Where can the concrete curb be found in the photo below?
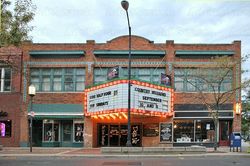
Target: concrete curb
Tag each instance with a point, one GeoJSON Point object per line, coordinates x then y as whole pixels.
{"type": "Point", "coordinates": [153, 150]}
{"type": "Point", "coordinates": [122, 156]}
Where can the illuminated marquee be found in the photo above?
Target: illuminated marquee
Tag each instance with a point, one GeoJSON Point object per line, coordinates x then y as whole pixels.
{"type": "Point", "coordinates": [112, 98]}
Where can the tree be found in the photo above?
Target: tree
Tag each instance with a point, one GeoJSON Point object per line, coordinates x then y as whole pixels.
{"type": "Point", "coordinates": [14, 25]}
{"type": "Point", "coordinates": [214, 85]}
{"type": "Point", "coordinates": [245, 119]}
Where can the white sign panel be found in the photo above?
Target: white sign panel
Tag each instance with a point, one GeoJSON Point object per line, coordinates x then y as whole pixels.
{"type": "Point", "coordinates": [150, 99]}
{"type": "Point", "coordinates": [109, 98]}
{"type": "Point", "coordinates": [116, 97]}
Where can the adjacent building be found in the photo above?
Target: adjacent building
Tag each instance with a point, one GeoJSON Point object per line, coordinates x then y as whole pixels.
{"type": "Point", "coordinates": [82, 93]}
{"type": "Point", "coordinates": [10, 95]}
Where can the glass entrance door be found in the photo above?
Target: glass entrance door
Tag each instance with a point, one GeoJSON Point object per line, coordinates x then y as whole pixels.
{"type": "Point", "coordinates": [123, 135]}
{"type": "Point", "coordinates": [66, 133]}
{"type": "Point", "coordinates": [116, 135]}
{"type": "Point", "coordinates": [225, 130]}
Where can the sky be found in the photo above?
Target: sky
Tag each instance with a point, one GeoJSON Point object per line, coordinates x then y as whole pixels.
{"type": "Point", "coordinates": [184, 21]}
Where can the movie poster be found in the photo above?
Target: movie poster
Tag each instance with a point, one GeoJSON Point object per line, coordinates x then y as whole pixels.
{"type": "Point", "coordinates": [166, 132]}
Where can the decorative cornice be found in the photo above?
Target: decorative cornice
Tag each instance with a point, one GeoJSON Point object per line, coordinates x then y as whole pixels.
{"type": "Point", "coordinates": [58, 63]}
{"type": "Point", "coordinates": [56, 53]}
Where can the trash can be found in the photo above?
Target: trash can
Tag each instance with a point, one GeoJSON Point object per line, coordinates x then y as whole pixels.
{"type": "Point", "coordinates": [235, 141]}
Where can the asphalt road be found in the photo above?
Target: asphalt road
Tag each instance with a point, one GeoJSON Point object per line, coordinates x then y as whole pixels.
{"type": "Point", "coordinates": [167, 161]}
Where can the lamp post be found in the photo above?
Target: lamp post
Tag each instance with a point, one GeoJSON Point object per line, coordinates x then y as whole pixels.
{"type": "Point", "coordinates": [125, 6]}
{"type": "Point", "coordinates": [32, 93]}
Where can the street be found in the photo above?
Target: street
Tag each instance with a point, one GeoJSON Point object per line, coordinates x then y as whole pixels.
{"type": "Point", "coordinates": [125, 161]}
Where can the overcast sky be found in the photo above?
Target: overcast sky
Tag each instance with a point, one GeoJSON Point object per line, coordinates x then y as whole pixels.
{"type": "Point", "coordinates": [184, 21]}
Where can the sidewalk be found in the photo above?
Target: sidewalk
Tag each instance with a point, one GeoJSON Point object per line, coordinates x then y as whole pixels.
{"type": "Point", "coordinates": [96, 152]}
{"type": "Point", "coordinates": [48, 151]}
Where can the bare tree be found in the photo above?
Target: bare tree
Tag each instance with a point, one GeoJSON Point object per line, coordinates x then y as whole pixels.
{"type": "Point", "coordinates": [216, 85]}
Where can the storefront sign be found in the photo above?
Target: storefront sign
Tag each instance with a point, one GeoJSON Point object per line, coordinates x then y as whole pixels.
{"type": "Point", "coordinates": [113, 97]}
{"type": "Point", "coordinates": [151, 130]}
{"type": "Point", "coordinates": [166, 132]}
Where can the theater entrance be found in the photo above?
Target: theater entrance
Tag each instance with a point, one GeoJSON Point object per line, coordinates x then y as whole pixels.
{"type": "Point", "coordinates": [116, 135]}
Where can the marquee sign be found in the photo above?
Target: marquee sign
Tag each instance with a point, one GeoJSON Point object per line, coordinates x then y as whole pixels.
{"type": "Point", "coordinates": [112, 97]}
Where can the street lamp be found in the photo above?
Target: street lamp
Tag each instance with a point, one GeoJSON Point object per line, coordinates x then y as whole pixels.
{"type": "Point", "coordinates": [32, 93]}
{"type": "Point", "coordinates": [125, 6]}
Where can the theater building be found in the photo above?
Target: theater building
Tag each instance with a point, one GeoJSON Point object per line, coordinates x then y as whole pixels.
{"type": "Point", "coordinates": [10, 95]}
{"type": "Point", "coordinates": [82, 93]}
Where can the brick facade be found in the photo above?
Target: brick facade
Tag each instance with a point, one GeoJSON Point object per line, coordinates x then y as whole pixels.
{"type": "Point", "coordinates": [89, 61]}
{"type": "Point", "coordinates": [10, 101]}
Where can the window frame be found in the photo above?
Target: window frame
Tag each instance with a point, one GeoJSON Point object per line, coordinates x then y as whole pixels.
{"type": "Point", "coordinates": [52, 75]}
{"type": "Point", "coordinates": [187, 72]}
{"type": "Point", "coordinates": [152, 73]}
{"type": "Point", "coordinates": [3, 79]}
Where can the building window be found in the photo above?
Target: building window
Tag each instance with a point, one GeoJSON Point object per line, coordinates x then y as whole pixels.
{"type": "Point", "coordinates": [50, 131]}
{"type": "Point", "coordinates": [80, 79]}
{"type": "Point", "coordinates": [100, 75]}
{"type": "Point", "coordinates": [152, 75]}
{"type": "Point", "coordinates": [35, 78]}
{"type": "Point", "coordinates": [5, 79]}
{"type": "Point", "coordinates": [183, 131]}
{"type": "Point", "coordinates": [202, 79]}
{"type": "Point", "coordinates": [68, 80]}
{"type": "Point", "coordinates": [46, 80]}
{"type": "Point", "coordinates": [186, 131]}
{"type": "Point", "coordinates": [5, 128]}
{"type": "Point", "coordinates": [78, 131]}
{"type": "Point", "coordinates": [58, 79]}
{"type": "Point", "coordinates": [204, 131]}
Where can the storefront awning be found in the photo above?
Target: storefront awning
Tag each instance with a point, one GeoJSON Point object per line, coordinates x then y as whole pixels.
{"type": "Point", "coordinates": [135, 53]}
{"type": "Point", "coordinates": [57, 53]}
{"type": "Point", "coordinates": [57, 111]}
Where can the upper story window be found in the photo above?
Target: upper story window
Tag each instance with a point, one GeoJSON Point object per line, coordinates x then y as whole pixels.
{"type": "Point", "coordinates": [145, 74]}
{"type": "Point", "coordinates": [202, 79]}
{"type": "Point", "coordinates": [58, 79]}
{"type": "Point", "coordinates": [5, 79]}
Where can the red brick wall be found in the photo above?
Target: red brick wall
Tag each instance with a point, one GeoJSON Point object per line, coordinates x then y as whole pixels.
{"type": "Point", "coordinates": [10, 101]}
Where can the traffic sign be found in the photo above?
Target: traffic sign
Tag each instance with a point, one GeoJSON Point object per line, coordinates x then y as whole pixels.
{"type": "Point", "coordinates": [32, 113]}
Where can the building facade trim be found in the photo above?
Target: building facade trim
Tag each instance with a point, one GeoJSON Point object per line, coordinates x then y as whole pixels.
{"type": "Point", "coordinates": [201, 52]}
